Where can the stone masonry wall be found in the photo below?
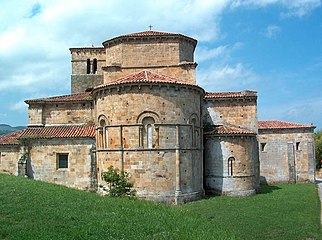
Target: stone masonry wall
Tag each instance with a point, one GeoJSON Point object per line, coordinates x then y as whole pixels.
{"type": "Point", "coordinates": [218, 178]}
{"type": "Point", "coordinates": [237, 112]}
{"type": "Point", "coordinates": [81, 171]}
{"type": "Point", "coordinates": [9, 156]}
{"type": "Point", "coordinates": [288, 155]}
{"type": "Point", "coordinates": [61, 113]}
{"type": "Point", "coordinates": [168, 58]}
{"type": "Point", "coordinates": [79, 59]}
{"type": "Point", "coordinates": [80, 80]}
{"type": "Point", "coordinates": [173, 166]}
{"type": "Point", "coordinates": [184, 72]}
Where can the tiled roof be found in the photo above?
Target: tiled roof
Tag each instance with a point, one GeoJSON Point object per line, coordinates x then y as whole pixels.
{"type": "Point", "coordinates": [86, 96]}
{"type": "Point", "coordinates": [147, 34]}
{"type": "Point", "coordinates": [229, 130]}
{"type": "Point", "coordinates": [59, 132]}
{"type": "Point", "coordinates": [90, 48]}
{"type": "Point", "coordinates": [147, 77]}
{"type": "Point", "coordinates": [246, 93]}
{"type": "Point", "coordinates": [275, 124]}
{"type": "Point", "coordinates": [48, 133]}
{"type": "Point", "coordinates": [10, 138]}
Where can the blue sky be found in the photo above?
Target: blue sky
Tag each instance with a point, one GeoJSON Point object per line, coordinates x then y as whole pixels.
{"type": "Point", "coordinates": [271, 46]}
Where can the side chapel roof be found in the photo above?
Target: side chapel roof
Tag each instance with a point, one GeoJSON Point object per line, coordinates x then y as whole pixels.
{"type": "Point", "coordinates": [229, 130]}
{"type": "Point", "coordinates": [227, 95]}
{"type": "Point", "coordinates": [275, 124]}
{"type": "Point", "coordinates": [79, 97]}
{"type": "Point", "coordinates": [50, 132]}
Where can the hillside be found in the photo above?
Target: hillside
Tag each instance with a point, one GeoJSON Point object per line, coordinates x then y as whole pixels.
{"type": "Point", "coordinates": [5, 128]}
{"type": "Point", "coordinates": [37, 210]}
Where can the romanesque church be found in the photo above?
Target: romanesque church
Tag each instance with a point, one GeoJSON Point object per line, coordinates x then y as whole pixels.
{"type": "Point", "coordinates": [135, 104]}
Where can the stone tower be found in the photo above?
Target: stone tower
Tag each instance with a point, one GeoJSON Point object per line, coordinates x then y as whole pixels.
{"type": "Point", "coordinates": [148, 115]}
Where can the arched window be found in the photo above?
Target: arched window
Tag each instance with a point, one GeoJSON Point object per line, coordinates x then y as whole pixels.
{"type": "Point", "coordinates": [194, 135]}
{"type": "Point", "coordinates": [94, 66]}
{"type": "Point", "coordinates": [147, 135]}
{"type": "Point", "coordinates": [231, 161]}
{"type": "Point", "coordinates": [103, 134]}
{"type": "Point", "coordinates": [88, 66]}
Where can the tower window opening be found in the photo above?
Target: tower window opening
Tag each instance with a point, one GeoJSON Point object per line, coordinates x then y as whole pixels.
{"type": "Point", "coordinates": [297, 146]}
{"type": "Point", "coordinates": [231, 161]}
{"type": "Point", "coordinates": [88, 66]}
{"type": "Point", "coordinates": [94, 66]}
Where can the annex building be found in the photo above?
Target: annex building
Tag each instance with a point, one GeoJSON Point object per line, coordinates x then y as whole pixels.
{"type": "Point", "coordinates": [135, 104]}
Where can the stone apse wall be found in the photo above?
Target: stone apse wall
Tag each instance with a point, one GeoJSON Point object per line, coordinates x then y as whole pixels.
{"type": "Point", "coordinates": [238, 177]}
{"type": "Point", "coordinates": [286, 155]}
{"type": "Point", "coordinates": [153, 133]}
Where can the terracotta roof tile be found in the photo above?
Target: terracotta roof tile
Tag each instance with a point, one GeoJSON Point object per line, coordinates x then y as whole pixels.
{"type": "Point", "coordinates": [48, 133]}
{"type": "Point", "coordinates": [246, 93]}
{"type": "Point", "coordinates": [275, 124]}
{"type": "Point", "coordinates": [147, 77]}
{"type": "Point", "coordinates": [11, 138]}
{"type": "Point", "coordinates": [59, 132]}
{"type": "Point", "coordinates": [229, 130]}
{"type": "Point", "coordinates": [65, 98]}
{"type": "Point", "coordinates": [147, 34]}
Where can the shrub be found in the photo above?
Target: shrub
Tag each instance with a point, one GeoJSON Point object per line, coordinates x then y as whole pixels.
{"type": "Point", "coordinates": [118, 183]}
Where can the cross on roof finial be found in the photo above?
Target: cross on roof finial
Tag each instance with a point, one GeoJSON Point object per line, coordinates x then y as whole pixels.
{"type": "Point", "coordinates": [150, 27]}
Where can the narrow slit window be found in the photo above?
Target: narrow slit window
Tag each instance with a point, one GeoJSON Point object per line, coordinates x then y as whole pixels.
{"type": "Point", "coordinates": [88, 66]}
{"type": "Point", "coordinates": [297, 146]}
{"type": "Point", "coordinates": [102, 134]}
{"type": "Point", "coordinates": [231, 161]}
{"type": "Point", "coordinates": [263, 147]}
{"type": "Point", "coordinates": [106, 137]}
{"type": "Point", "coordinates": [149, 135]}
{"type": "Point", "coordinates": [94, 66]}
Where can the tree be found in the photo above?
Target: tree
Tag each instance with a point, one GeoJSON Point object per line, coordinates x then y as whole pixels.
{"type": "Point", "coordinates": [318, 148]}
{"type": "Point", "coordinates": [118, 183]}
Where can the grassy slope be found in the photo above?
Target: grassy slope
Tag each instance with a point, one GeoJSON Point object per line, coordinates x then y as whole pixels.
{"type": "Point", "coordinates": [279, 212]}
{"type": "Point", "coordinates": [35, 210]}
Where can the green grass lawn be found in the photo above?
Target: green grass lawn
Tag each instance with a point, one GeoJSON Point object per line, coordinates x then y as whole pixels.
{"type": "Point", "coordinates": [36, 210]}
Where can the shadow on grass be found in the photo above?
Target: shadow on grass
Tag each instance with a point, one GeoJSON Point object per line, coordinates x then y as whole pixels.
{"type": "Point", "coordinates": [265, 188]}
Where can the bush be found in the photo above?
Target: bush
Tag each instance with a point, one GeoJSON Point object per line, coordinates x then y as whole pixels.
{"type": "Point", "coordinates": [118, 183]}
{"type": "Point", "coordinates": [318, 148]}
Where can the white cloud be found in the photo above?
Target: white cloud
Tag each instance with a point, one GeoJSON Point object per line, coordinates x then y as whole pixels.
{"type": "Point", "coordinates": [272, 31]}
{"type": "Point", "coordinates": [20, 106]}
{"type": "Point", "coordinates": [34, 39]}
{"type": "Point", "coordinates": [227, 78]}
{"type": "Point", "coordinates": [223, 52]}
{"type": "Point", "coordinates": [303, 111]}
{"type": "Point", "coordinates": [294, 8]}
